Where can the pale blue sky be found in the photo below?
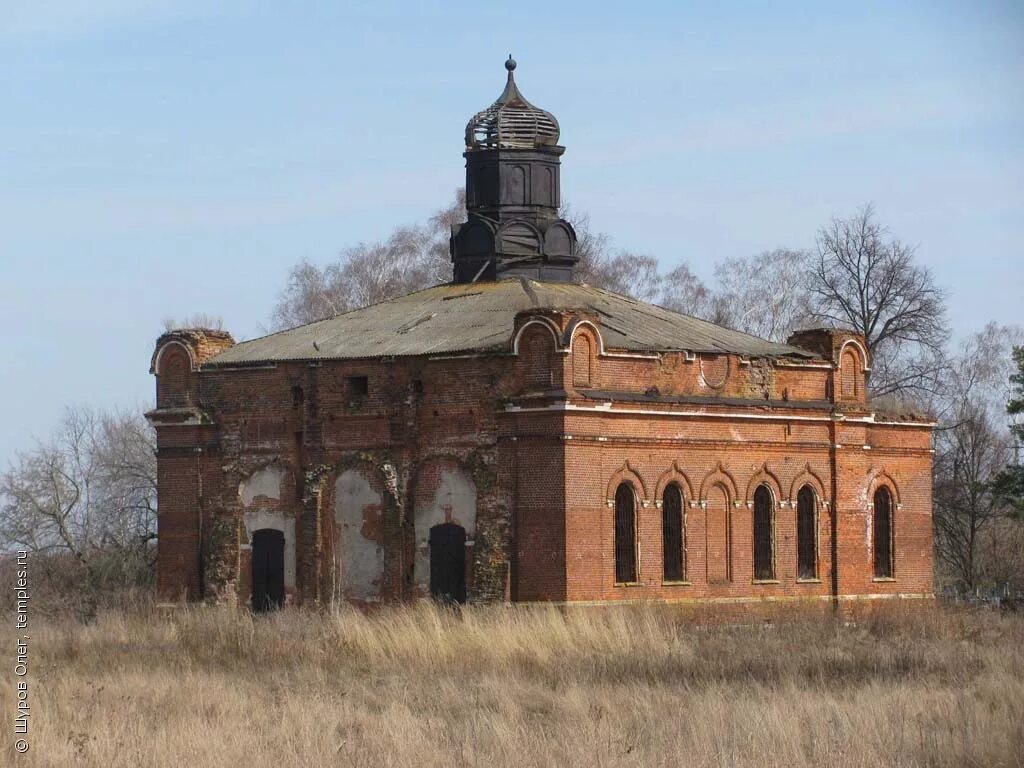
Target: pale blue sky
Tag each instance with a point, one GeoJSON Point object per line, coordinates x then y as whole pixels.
{"type": "Point", "coordinates": [178, 156]}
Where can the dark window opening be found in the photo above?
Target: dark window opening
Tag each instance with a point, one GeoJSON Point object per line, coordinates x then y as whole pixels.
{"type": "Point", "coordinates": [297, 396]}
{"type": "Point", "coordinates": [806, 534]}
{"type": "Point", "coordinates": [883, 534]}
{"type": "Point", "coordinates": [764, 567]}
{"type": "Point", "coordinates": [672, 534]}
{"type": "Point", "coordinates": [625, 534]}
{"type": "Point", "coordinates": [357, 386]}
{"type": "Point", "coordinates": [417, 387]}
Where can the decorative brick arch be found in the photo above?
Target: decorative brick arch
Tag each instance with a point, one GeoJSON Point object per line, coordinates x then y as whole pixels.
{"type": "Point", "coordinates": [851, 368]}
{"type": "Point", "coordinates": [861, 353]}
{"type": "Point", "coordinates": [673, 475]}
{"type": "Point", "coordinates": [807, 476]}
{"type": "Point", "coordinates": [535, 345]}
{"type": "Point", "coordinates": [626, 473]}
{"type": "Point", "coordinates": [583, 353]}
{"type": "Point", "coordinates": [876, 479]}
{"type": "Point", "coordinates": [171, 345]}
{"type": "Point", "coordinates": [576, 325]}
{"type": "Point", "coordinates": [719, 476]}
{"type": "Point", "coordinates": [543, 322]}
{"type": "Point", "coordinates": [763, 476]}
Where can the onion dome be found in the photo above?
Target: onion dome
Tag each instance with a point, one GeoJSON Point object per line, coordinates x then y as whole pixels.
{"type": "Point", "coordinates": [511, 122]}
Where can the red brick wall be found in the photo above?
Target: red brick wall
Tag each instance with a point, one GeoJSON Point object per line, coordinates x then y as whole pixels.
{"type": "Point", "coordinates": [544, 454]}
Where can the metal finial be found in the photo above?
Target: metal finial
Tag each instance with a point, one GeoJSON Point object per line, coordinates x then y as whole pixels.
{"type": "Point", "coordinates": [510, 64]}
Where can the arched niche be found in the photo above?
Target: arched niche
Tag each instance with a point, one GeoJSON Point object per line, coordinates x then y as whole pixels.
{"type": "Point", "coordinates": [359, 530]}
{"type": "Point", "coordinates": [582, 360]}
{"type": "Point", "coordinates": [443, 493]}
{"type": "Point", "coordinates": [475, 239]}
{"type": "Point", "coordinates": [535, 344]}
{"type": "Point", "coordinates": [518, 238]}
{"type": "Point", "coordinates": [173, 368]}
{"type": "Point", "coordinates": [559, 240]}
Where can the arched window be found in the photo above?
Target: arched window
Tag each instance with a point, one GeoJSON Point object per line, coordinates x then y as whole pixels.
{"type": "Point", "coordinates": [672, 534]}
{"type": "Point", "coordinates": [883, 533]}
{"type": "Point", "coordinates": [764, 566]}
{"type": "Point", "coordinates": [806, 534]}
{"type": "Point", "coordinates": [625, 534]}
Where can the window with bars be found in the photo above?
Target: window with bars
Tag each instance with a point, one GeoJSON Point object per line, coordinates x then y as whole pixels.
{"type": "Point", "coordinates": [883, 533]}
{"type": "Point", "coordinates": [806, 534]}
{"type": "Point", "coordinates": [764, 566]}
{"type": "Point", "coordinates": [672, 534]}
{"type": "Point", "coordinates": [625, 534]}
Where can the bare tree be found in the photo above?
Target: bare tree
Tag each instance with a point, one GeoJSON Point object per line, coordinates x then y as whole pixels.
{"type": "Point", "coordinates": [971, 454]}
{"type": "Point", "coordinates": [197, 320]}
{"type": "Point", "coordinates": [862, 278]}
{"type": "Point", "coordinates": [88, 494]}
{"type": "Point", "coordinates": [764, 295]}
{"type": "Point", "coordinates": [633, 274]}
{"type": "Point", "coordinates": [682, 291]}
{"type": "Point", "coordinates": [972, 447]}
{"type": "Point", "coordinates": [411, 258]}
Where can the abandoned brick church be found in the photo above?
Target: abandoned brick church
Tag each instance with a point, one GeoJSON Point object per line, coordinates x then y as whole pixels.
{"type": "Point", "coordinates": [514, 435]}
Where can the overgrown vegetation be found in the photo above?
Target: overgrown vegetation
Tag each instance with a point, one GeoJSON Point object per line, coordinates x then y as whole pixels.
{"type": "Point", "coordinates": [626, 686]}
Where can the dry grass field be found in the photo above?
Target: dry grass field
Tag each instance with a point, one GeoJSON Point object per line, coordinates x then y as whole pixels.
{"type": "Point", "coordinates": [418, 686]}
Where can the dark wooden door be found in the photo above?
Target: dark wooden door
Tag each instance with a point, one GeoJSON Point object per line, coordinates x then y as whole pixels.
{"type": "Point", "coordinates": [448, 563]}
{"type": "Point", "coordinates": [267, 570]}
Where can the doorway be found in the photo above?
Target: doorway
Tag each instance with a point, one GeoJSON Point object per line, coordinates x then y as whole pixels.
{"type": "Point", "coordinates": [267, 570]}
{"type": "Point", "coordinates": [448, 563]}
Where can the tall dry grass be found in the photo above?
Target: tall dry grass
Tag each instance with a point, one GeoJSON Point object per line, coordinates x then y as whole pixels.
{"type": "Point", "coordinates": [419, 686]}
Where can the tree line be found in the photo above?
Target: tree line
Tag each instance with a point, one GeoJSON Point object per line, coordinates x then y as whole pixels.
{"type": "Point", "coordinates": [86, 496]}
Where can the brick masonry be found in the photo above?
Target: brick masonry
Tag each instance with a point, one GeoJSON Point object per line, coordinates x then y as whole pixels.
{"type": "Point", "coordinates": [525, 450]}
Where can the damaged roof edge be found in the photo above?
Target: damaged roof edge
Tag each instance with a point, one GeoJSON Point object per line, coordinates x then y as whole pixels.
{"type": "Point", "coordinates": [498, 351]}
{"type": "Point", "coordinates": [483, 320]}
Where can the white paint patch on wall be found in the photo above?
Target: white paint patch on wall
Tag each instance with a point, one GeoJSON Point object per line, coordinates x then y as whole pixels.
{"type": "Point", "coordinates": [359, 560]}
{"type": "Point", "coordinates": [454, 501]}
{"type": "Point", "coordinates": [259, 519]}
{"type": "Point", "coordinates": [263, 482]}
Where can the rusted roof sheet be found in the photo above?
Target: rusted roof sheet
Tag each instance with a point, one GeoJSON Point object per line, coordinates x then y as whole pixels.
{"type": "Point", "coordinates": [479, 317]}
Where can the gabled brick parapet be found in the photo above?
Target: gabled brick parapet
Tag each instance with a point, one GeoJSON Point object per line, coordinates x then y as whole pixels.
{"type": "Point", "coordinates": [200, 344]}
{"type": "Point", "coordinates": [178, 355]}
{"type": "Point", "coordinates": [847, 351]}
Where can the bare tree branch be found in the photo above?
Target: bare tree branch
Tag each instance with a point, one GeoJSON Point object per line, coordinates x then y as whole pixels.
{"type": "Point", "coordinates": [862, 279]}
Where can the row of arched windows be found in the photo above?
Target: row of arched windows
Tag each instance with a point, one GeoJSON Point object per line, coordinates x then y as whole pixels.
{"type": "Point", "coordinates": [673, 531]}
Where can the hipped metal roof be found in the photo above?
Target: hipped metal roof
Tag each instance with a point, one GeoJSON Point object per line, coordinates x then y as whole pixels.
{"type": "Point", "coordinates": [479, 318]}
